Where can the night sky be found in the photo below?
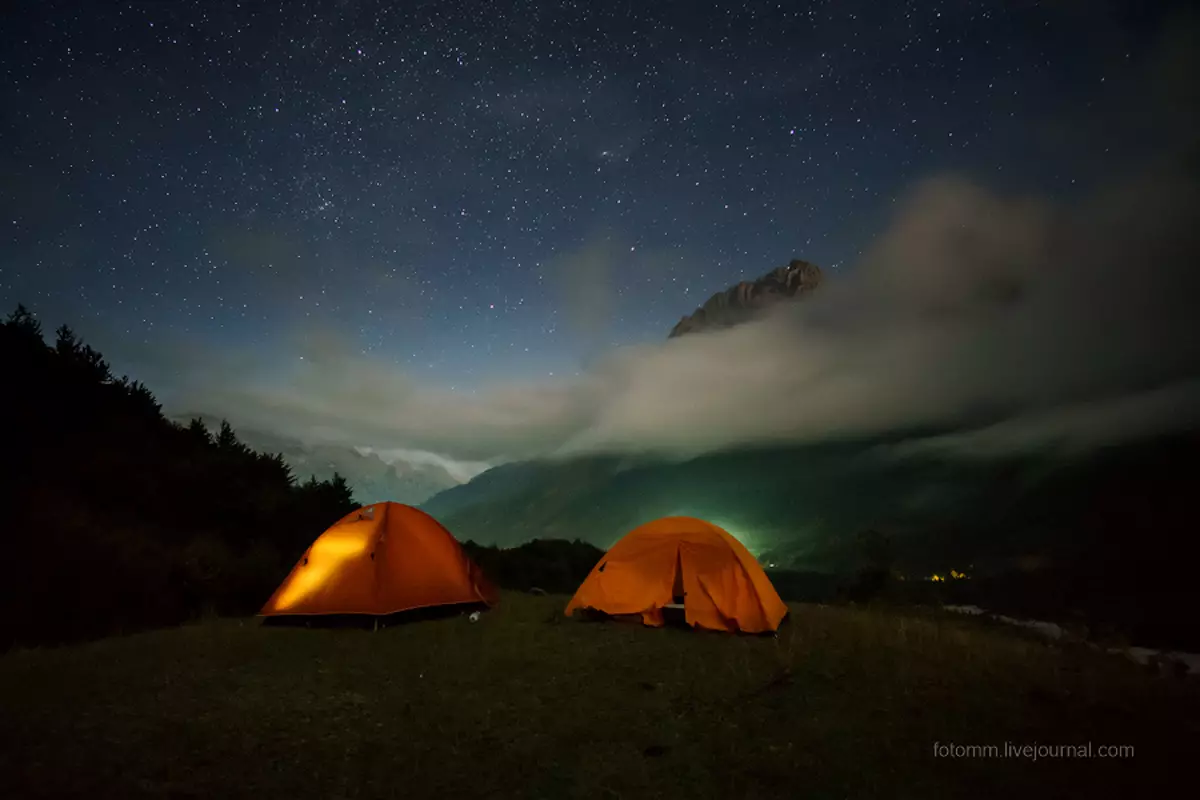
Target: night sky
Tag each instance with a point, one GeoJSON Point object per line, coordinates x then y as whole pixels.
{"type": "Point", "coordinates": [479, 191]}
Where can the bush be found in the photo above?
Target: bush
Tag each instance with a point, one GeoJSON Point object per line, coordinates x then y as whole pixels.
{"type": "Point", "coordinates": [556, 566]}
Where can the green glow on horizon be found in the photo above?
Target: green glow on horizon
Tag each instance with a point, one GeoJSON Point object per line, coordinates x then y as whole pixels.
{"type": "Point", "coordinates": [747, 537]}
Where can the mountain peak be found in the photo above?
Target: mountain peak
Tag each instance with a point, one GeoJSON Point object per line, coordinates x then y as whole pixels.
{"type": "Point", "coordinates": [745, 300]}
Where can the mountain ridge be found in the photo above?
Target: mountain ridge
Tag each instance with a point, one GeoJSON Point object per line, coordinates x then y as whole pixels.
{"type": "Point", "coordinates": [746, 299]}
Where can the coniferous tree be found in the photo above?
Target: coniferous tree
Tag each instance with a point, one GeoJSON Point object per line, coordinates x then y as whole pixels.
{"type": "Point", "coordinates": [199, 431]}
{"type": "Point", "coordinates": [25, 324]}
{"type": "Point", "coordinates": [65, 344]}
{"type": "Point", "coordinates": [227, 441]}
{"type": "Point", "coordinates": [340, 493]}
{"type": "Point", "coordinates": [279, 467]}
{"type": "Point", "coordinates": [142, 400]}
{"type": "Point", "coordinates": [163, 520]}
{"type": "Point", "coordinates": [91, 365]}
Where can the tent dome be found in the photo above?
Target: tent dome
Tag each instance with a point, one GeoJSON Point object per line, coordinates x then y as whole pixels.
{"type": "Point", "coordinates": [721, 585]}
{"type": "Point", "coordinates": [381, 559]}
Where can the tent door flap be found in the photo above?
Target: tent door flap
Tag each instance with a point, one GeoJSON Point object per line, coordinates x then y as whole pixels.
{"type": "Point", "coordinates": [677, 591]}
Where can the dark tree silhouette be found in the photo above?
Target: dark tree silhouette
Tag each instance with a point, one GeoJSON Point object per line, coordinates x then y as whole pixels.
{"type": "Point", "coordinates": [227, 440]}
{"type": "Point", "coordinates": [874, 569]}
{"type": "Point", "coordinates": [197, 429]}
{"type": "Point", "coordinates": [79, 356]}
{"type": "Point", "coordinates": [557, 566]}
{"type": "Point", "coordinates": [24, 326]}
{"type": "Point", "coordinates": [118, 519]}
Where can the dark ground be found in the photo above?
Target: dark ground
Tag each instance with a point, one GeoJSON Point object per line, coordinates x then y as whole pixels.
{"type": "Point", "coordinates": [525, 703]}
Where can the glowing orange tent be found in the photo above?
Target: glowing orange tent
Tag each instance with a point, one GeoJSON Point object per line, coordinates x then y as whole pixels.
{"type": "Point", "coordinates": [684, 561]}
{"type": "Point", "coordinates": [381, 559]}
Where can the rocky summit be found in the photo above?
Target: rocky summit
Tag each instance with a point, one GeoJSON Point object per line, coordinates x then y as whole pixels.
{"type": "Point", "coordinates": [748, 298]}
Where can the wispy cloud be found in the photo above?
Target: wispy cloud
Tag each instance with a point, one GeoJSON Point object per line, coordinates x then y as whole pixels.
{"type": "Point", "coordinates": [972, 307]}
{"type": "Point", "coordinates": [1009, 321]}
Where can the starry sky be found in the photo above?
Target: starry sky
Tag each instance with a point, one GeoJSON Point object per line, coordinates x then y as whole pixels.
{"type": "Point", "coordinates": [503, 191]}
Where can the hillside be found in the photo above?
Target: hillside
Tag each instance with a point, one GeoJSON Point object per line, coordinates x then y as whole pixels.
{"type": "Point", "coordinates": [526, 703]}
{"type": "Point", "coordinates": [796, 504]}
{"type": "Point", "coordinates": [1104, 534]}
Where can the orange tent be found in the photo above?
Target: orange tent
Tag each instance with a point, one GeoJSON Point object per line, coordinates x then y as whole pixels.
{"type": "Point", "coordinates": [381, 559]}
{"type": "Point", "coordinates": [682, 560]}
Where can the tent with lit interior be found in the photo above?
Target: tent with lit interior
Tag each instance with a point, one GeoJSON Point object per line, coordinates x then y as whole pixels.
{"type": "Point", "coordinates": [685, 562]}
{"type": "Point", "coordinates": [381, 559]}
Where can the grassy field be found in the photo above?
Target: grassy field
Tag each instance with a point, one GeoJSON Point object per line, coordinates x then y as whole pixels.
{"type": "Point", "coordinates": [525, 703]}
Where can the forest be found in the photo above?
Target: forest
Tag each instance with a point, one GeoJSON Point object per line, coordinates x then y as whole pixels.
{"type": "Point", "coordinates": [116, 519]}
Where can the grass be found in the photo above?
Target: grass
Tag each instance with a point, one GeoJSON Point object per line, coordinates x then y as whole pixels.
{"type": "Point", "coordinates": [525, 703]}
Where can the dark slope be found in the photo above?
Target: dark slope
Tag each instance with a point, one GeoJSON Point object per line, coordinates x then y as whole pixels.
{"type": "Point", "coordinates": [1112, 534]}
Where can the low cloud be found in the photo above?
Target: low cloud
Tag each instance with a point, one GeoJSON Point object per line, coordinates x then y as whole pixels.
{"type": "Point", "coordinates": [325, 391]}
{"type": "Point", "coordinates": [1007, 322]}
{"type": "Point", "coordinates": [461, 471]}
{"type": "Point", "coordinates": [973, 310]}
{"type": "Point", "coordinates": [1072, 429]}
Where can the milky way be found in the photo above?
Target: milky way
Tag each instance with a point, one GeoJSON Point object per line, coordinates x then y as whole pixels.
{"type": "Point", "coordinates": [476, 190]}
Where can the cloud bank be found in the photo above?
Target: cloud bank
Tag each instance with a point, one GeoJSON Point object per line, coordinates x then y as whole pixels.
{"type": "Point", "coordinates": [972, 309]}
{"type": "Point", "coordinates": [1010, 322]}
